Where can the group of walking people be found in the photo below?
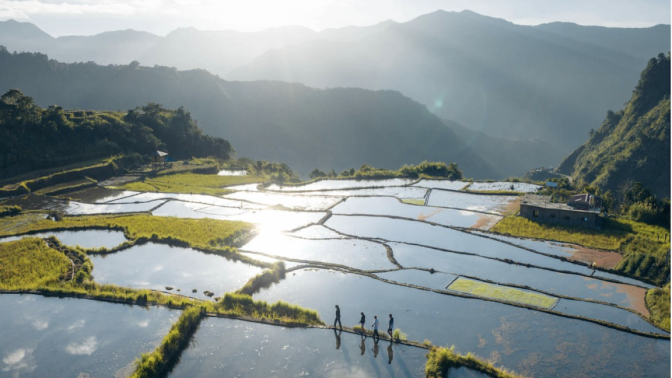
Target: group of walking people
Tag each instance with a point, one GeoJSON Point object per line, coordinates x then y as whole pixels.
{"type": "Point", "coordinates": [362, 323]}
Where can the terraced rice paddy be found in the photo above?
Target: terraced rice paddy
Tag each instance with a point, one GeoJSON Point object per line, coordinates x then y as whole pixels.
{"type": "Point", "coordinates": [51, 337]}
{"type": "Point", "coordinates": [157, 266]}
{"type": "Point", "coordinates": [84, 238]}
{"type": "Point", "coordinates": [520, 187]}
{"type": "Point", "coordinates": [532, 306]}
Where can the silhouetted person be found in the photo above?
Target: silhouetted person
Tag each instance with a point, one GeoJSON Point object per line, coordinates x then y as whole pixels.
{"type": "Point", "coordinates": [375, 348]}
{"type": "Point", "coordinates": [338, 318]}
{"type": "Point", "coordinates": [375, 324]}
{"type": "Point", "coordinates": [390, 327]}
{"type": "Point", "coordinates": [389, 354]}
{"type": "Point", "coordinates": [362, 346]}
{"type": "Point", "coordinates": [338, 339]}
{"type": "Point", "coordinates": [362, 322]}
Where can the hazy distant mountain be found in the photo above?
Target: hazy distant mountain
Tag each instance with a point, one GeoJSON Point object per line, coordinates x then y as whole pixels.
{"type": "Point", "coordinates": [24, 36]}
{"type": "Point", "coordinates": [550, 81]}
{"type": "Point", "coordinates": [186, 48]}
{"type": "Point", "coordinates": [117, 47]}
{"type": "Point", "coordinates": [632, 144]}
{"type": "Point", "coordinates": [304, 127]}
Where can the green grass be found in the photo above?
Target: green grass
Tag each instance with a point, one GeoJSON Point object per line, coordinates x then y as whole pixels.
{"type": "Point", "coordinates": [439, 360]}
{"type": "Point", "coordinates": [205, 233]}
{"type": "Point", "coordinates": [244, 305]}
{"type": "Point", "coordinates": [487, 290]}
{"type": "Point", "coordinates": [658, 302]}
{"type": "Point", "coordinates": [420, 202]}
{"type": "Point", "coordinates": [192, 183]}
{"type": "Point", "coordinates": [642, 245]}
{"type": "Point", "coordinates": [154, 363]}
{"type": "Point", "coordinates": [10, 210]}
{"type": "Point", "coordinates": [30, 263]}
{"type": "Point", "coordinates": [264, 279]}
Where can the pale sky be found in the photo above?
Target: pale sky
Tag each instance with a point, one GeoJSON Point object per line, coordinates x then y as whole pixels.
{"type": "Point", "coordinates": [86, 17]}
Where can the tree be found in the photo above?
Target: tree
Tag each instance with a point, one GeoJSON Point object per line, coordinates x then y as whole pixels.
{"type": "Point", "coordinates": [316, 173]}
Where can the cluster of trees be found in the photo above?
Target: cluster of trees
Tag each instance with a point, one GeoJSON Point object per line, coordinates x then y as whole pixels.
{"type": "Point", "coordinates": [637, 203]}
{"type": "Point", "coordinates": [35, 138]}
{"type": "Point", "coordinates": [429, 169]}
{"type": "Point", "coordinates": [631, 200]}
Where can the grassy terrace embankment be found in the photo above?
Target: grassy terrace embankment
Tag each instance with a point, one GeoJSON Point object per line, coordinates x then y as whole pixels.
{"type": "Point", "coordinates": [644, 247]}
{"type": "Point", "coordinates": [197, 233]}
{"type": "Point", "coordinates": [192, 183]}
{"type": "Point", "coordinates": [439, 360]}
{"type": "Point", "coordinates": [32, 265]}
{"type": "Point", "coordinates": [658, 302]}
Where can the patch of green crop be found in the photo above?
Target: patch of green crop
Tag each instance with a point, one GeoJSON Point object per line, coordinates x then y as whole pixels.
{"type": "Point", "coordinates": [29, 263]}
{"type": "Point", "coordinates": [440, 360]}
{"type": "Point", "coordinates": [420, 202]}
{"type": "Point", "coordinates": [487, 290]}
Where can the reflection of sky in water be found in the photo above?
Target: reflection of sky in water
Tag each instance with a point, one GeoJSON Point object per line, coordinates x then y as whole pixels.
{"type": "Point", "coordinates": [268, 220]}
{"type": "Point", "coordinates": [79, 208]}
{"type": "Point", "coordinates": [83, 238]}
{"type": "Point", "coordinates": [358, 254]}
{"type": "Point", "coordinates": [287, 200]}
{"type": "Point", "coordinates": [257, 350]}
{"type": "Point", "coordinates": [570, 285]}
{"type": "Point", "coordinates": [402, 192]}
{"type": "Point", "coordinates": [156, 266]}
{"type": "Point", "coordinates": [521, 187]}
{"type": "Point", "coordinates": [476, 202]}
{"type": "Point", "coordinates": [317, 232]}
{"type": "Point", "coordinates": [441, 184]}
{"type": "Point", "coordinates": [442, 237]}
{"type": "Point", "coordinates": [340, 184]}
{"type": "Point", "coordinates": [228, 172]}
{"type": "Point", "coordinates": [80, 336]}
{"type": "Point", "coordinates": [392, 207]}
{"type": "Point", "coordinates": [516, 336]}
{"type": "Point", "coordinates": [195, 198]}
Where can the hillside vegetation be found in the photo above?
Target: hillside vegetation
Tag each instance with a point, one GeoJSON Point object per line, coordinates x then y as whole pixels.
{"type": "Point", "coordinates": [33, 138]}
{"type": "Point", "coordinates": [633, 144]}
{"type": "Point", "coordinates": [644, 247]}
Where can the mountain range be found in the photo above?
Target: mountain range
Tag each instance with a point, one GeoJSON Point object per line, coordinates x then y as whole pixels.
{"type": "Point", "coordinates": [522, 96]}
{"type": "Point", "coordinates": [307, 128]}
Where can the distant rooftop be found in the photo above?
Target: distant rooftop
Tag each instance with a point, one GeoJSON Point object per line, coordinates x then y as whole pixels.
{"type": "Point", "coordinates": [545, 202]}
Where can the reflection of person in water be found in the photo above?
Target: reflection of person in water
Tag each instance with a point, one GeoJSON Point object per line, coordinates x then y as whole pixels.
{"type": "Point", "coordinates": [389, 354]}
{"type": "Point", "coordinates": [375, 348]}
{"type": "Point", "coordinates": [363, 346]}
{"type": "Point", "coordinates": [338, 339]}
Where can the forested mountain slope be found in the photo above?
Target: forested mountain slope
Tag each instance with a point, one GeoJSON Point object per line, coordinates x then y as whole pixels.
{"type": "Point", "coordinates": [633, 144]}
{"type": "Point", "coordinates": [549, 81]}
{"type": "Point", "coordinates": [307, 128]}
{"type": "Point", "coordinates": [33, 138]}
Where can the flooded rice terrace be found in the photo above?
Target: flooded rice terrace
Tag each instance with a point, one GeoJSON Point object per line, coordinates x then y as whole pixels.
{"type": "Point", "coordinates": [419, 249]}
{"type": "Point", "coordinates": [52, 337]}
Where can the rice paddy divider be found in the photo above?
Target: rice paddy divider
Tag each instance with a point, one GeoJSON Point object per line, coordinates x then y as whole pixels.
{"type": "Point", "coordinates": [371, 274]}
{"type": "Point", "coordinates": [508, 261]}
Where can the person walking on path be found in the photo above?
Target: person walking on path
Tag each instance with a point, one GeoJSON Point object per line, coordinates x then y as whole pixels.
{"type": "Point", "coordinates": [338, 318]}
{"type": "Point", "coordinates": [362, 322]}
{"type": "Point", "coordinates": [390, 327]}
{"type": "Point", "coordinates": [375, 324]}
